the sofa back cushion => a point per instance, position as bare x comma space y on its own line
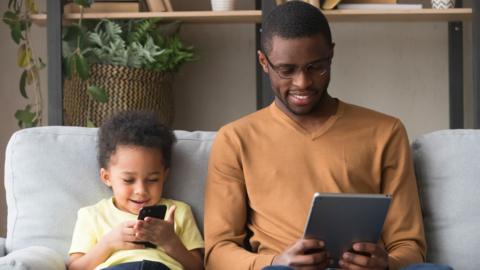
447, 164
51, 172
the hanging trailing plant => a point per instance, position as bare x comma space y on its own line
17, 17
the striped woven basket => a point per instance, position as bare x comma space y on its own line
127, 88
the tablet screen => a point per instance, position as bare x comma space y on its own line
341, 219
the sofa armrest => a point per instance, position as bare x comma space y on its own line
33, 258
2, 247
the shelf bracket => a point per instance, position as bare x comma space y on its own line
455, 73
476, 62
54, 62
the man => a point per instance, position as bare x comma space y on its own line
265, 167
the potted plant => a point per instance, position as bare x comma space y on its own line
113, 65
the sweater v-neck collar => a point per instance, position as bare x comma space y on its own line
278, 113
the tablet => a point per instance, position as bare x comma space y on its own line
341, 219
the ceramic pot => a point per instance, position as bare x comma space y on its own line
443, 4
222, 5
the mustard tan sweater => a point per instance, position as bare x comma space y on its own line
265, 168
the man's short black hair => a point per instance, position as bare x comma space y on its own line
294, 19
134, 128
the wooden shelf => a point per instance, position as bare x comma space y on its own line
413, 15
236, 16
255, 16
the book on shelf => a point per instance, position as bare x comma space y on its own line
315, 3
155, 5
100, 7
330, 4
369, 1
159, 5
380, 6
168, 5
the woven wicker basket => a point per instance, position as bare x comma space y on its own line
127, 88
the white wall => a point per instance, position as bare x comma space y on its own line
9, 92
397, 68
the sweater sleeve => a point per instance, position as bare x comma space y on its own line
226, 206
403, 233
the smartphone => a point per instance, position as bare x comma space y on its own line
155, 211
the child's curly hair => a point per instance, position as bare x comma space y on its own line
134, 128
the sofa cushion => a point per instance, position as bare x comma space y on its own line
447, 164
50, 172
33, 258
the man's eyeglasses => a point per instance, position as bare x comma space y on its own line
317, 68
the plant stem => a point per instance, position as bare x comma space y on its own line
37, 91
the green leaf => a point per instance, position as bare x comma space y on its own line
32, 75
10, 3
84, 3
10, 17
81, 66
32, 6
16, 32
41, 64
90, 123
98, 93
24, 56
71, 32
23, 80
69, 66
25, 116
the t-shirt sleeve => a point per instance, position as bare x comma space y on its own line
83, 238
188, 231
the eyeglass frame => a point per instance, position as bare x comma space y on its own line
297, 68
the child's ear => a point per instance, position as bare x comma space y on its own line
105, 176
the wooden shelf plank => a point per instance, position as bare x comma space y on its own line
414, 15
255, 16
236, 16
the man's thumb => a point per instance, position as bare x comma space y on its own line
170, 216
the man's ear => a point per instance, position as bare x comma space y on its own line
263, 61
105, 176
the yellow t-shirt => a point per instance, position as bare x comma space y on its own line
94, 221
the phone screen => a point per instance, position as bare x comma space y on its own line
155, 211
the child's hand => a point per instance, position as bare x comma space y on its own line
157, 231
122, 237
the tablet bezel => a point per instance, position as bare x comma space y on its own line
354, 218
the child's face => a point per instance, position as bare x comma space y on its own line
136, 175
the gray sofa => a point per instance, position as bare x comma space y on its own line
50, 172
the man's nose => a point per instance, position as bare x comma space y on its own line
302, 79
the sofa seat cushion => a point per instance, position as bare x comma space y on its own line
447, 164
33, 258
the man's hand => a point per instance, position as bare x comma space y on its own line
377, 258
157, 231
122, 237
304, 254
